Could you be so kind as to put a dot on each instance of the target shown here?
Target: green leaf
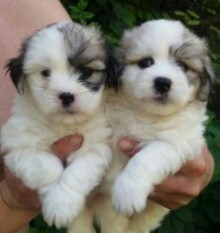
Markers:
(34, 230)
(112, 40)
(75, 9)
(87, 15)
(193, 22)
(129, 16)
(193, 14)
(82, 4)
(211, 11)
(95, 24)
(179, 13)
(215, 29)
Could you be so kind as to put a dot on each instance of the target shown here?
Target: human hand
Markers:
(179, 189)
(16, 195)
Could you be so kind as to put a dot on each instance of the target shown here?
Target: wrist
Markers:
(13, 216)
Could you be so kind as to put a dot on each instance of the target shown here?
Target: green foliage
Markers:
(80, 13)
(202, 215)
(113, 16)
(213, 141)
(39, 226)
(190, 17)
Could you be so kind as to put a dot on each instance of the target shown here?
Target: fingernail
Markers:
(75, 140)
(126, 146)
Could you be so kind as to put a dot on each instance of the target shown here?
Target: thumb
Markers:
(128, 146)
(198, 166)
(66, 145)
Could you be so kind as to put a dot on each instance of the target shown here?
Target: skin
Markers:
(176, 191)
(18, 204)
(179, 189)
(18, 20)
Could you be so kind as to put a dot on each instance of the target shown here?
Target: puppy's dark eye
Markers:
(182, 65)
(145, 62)
(86, 71)
(45, 73)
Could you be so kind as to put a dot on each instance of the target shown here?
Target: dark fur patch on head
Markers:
(15, 67)
(182, 51)
(80, 58)
(77, 59)
(187, 52)
(114, 71)
(85, 45)
(194, 53)
(110, 76)
(95, 83)
(207, 79)
(73, 36)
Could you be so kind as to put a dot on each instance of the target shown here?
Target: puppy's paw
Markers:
(61, 207)
(40, 170)
(128, 197)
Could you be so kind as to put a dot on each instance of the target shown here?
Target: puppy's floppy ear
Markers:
(207, 80)
(113, 72)
(15, 69)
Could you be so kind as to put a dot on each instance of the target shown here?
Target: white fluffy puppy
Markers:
(161, 103)
(60, 75)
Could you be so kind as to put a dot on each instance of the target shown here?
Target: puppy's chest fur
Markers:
(183, 130)
(27, 127)
(127, 119)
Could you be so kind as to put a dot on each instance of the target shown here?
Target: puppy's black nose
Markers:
(66, 98)
(162, 84)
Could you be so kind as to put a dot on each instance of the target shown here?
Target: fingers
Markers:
(179, 185)
(66, 145)
(196, 167)
(178, 190)
(188, 181)
(15, 194)
(201, 168)
(170, 201)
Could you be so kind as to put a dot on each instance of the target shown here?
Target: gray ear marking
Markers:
(207, 80)
(15, 69)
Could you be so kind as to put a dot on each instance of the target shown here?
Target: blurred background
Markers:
(202, 215)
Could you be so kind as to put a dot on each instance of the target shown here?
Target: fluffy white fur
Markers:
(44, 69)
(169, 125)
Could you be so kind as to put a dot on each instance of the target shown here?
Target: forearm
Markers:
(18, 20)
(11, 218)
